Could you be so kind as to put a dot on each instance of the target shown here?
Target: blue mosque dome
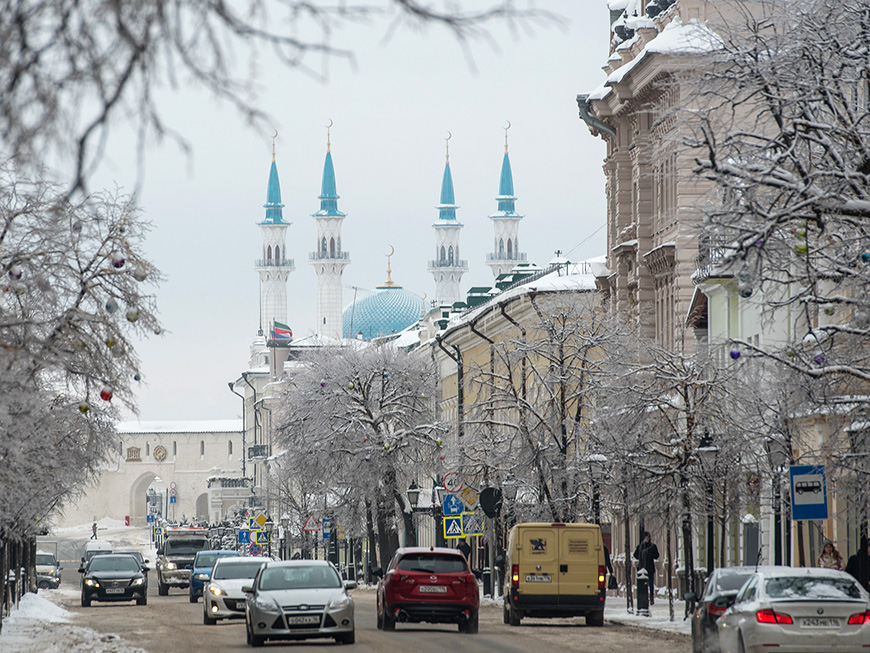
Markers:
(388, 310)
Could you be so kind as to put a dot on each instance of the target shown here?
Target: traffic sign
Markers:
(452, 482)
(172, 499)
(453, 527)
(260, 537)
(256, 549)
(172, 485)
(311, 525)
(452, 505)
(472, 524)
(257, 522)
(244, 536)
(326, 523)
(809, 493)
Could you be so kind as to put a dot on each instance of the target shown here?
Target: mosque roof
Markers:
(328, 196)
(388, 310)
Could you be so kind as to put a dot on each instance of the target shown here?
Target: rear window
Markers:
(236, 570)
(206, 559)
(43, 559)
(432, 563)
(731, 582)
(808, 587)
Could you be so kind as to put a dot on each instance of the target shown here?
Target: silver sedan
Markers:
(223, 597)
(298, 599)
(797, 609)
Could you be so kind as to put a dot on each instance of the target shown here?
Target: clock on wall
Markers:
(159, 452)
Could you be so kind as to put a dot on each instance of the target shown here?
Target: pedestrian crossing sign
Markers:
(453, 527)
(472, 524)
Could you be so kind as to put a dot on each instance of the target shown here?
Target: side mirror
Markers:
(247, 589)
(689, 597)
(145, 570)
(81, 570)
(350, 584)
(59, 568)
(147, 560)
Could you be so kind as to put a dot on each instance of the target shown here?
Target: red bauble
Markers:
(105, 394)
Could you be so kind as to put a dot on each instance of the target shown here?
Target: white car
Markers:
(298, 599)
(223, 597)
(797, 609)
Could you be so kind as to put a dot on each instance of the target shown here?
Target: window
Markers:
(269, 253)
(277, 254)
(332, 247)
(230, 448)
(500, 248)
(450, 255)
(323, 246)
(202, 448)
(510, 248)
(443, 258)
(430, 563)
(147, 449)
(174, 448)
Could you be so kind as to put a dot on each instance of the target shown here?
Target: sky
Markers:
(392, 107)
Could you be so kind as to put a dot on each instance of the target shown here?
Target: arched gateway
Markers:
(185, 468)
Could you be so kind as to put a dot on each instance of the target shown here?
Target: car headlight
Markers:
(266, 605)
(339, 602)
(51, 572)
(170, 565)
(201, 576)
(217, 591)
(91, 582)
(137, 581)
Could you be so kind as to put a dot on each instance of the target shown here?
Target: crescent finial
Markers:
(447, 145)
(505, 136)
(392, 251)
(508, 125)
(274, 136)
(330, 124)
(328, 127)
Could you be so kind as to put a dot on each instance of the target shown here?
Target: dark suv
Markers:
(433, 585)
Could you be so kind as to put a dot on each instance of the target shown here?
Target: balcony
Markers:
(274, 263)
(504, 256)
(326, 256)
(259, 452)
(446, 263)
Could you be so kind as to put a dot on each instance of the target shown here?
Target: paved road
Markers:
(171, 624)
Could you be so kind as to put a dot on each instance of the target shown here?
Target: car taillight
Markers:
(716, 610)
(515, 575)
(768, 616)
(601, 577)
(860, 618)
(471, 579)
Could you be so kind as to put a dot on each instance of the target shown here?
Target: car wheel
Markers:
(208, 621)
(379, 617)
(740, 647)
(514, 616)
(471, 625)
(253, 640)
(86, 602)
(162, 590)
(506, 615)
(595, 619)
(346, 638)
(43, 586)
(193, 598)
(389, 621)
(142, 601)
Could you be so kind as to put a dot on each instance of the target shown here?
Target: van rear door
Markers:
(580, 550)
(539, 561)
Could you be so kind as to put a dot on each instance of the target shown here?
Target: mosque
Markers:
(390, 308)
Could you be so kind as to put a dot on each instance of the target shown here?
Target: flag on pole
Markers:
(281, 331)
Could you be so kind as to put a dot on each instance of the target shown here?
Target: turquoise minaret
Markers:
(505, 221)
(328, 258)
(447, 268)
(273, 267)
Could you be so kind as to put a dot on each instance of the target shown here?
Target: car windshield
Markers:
(298, 577)
(207, 559)
(184, 547)
(731, 582)
(111, 563)
(135, 554)
(236, 570)
(44, 559)
(432, 563)
(812, 588)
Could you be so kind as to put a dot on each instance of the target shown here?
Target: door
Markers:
(579, 554)
(539, 561)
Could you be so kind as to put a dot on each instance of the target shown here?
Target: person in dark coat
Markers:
(854, 563)
(646, 555)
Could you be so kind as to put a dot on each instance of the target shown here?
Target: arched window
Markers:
(450, 255)
(147, 448)
(174, 448)
(332, 247)
(443, 255)
(339, 244)
(201, 448)
(277, 254)
(323, 246)
(510, 248)
(500, 248)
(229, 447)
(269, 253)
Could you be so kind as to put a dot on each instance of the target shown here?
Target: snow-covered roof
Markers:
(183, 426)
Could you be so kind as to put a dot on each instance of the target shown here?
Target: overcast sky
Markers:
(392, 108)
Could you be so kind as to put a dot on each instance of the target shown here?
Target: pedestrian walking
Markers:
(831, 558)
(646, 555)
(94, 531)
(854, 565)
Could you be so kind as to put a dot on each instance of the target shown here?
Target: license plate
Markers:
(114, 590)
(820, 622)
(534, 578)
(433, 589)
(314, 619)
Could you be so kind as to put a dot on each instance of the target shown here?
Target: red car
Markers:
(431, 584)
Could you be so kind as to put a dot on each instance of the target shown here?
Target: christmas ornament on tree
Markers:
(865, 256)
(15, 272)
(136, 377)
(111, 305)
(118, 260)
(83, 408)
(139, 274)
(110, 342)
(106, 393)
(735, 354)
(819, 359)
(132, 315)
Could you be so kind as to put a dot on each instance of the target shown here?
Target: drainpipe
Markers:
(232, 385)
(592, 121)
(523, 333)
(256, 421)
(460, 390)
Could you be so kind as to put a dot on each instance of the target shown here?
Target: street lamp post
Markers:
(437, 513)
(777, 460)
(596, 473)
(269, 527)
(707, 454)
(414, 500)
(285, 523)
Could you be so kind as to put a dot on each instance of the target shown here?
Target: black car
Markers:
(722, 586)
(143, 563)
(114, 577)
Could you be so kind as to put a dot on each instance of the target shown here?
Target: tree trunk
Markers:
(629, 596)
(370, 532)
(669, 568)
(688, 544)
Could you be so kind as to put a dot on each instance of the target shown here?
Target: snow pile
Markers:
(35, 608)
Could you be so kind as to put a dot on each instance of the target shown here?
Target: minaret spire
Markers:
(328, 259)
(447, 268)
(506, 221)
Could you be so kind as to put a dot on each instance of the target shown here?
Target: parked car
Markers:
(431, 585)
(47, 571)
(223, 597)
(298, 599)
(719, 593)
(113, 577)
(797, 609)
(200, 574)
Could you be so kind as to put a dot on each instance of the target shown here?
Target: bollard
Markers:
(642, 592)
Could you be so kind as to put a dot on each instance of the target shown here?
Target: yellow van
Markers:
(554, 570)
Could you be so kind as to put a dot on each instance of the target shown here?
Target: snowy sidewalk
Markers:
(615, 612)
